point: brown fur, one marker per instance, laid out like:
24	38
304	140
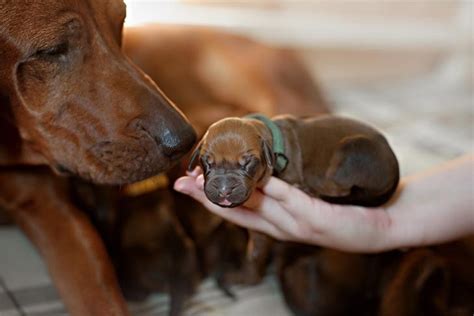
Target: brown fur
423	281
337	159
71	100
155	252
211	75
73	251
75	102
263	79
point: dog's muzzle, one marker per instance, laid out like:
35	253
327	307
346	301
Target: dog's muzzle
229	190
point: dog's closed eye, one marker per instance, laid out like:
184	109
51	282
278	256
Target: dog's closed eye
249	164
245	160
54	52
57	51
207	162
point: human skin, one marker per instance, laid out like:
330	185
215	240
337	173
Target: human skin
430	207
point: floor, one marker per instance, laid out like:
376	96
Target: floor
427	120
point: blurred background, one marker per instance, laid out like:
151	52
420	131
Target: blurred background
404	66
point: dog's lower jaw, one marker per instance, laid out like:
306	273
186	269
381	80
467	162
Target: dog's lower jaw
122	163
226	203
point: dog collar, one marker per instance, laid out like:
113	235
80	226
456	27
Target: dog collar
160	181
281	161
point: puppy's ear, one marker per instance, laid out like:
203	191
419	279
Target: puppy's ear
268	154
195	157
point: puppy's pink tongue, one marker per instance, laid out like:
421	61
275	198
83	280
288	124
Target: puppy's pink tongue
225	202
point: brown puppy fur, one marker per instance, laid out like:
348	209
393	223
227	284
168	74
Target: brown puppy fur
151	250
222	247
338	159
437	280
156	254
424	281
420	286
319	281
70	98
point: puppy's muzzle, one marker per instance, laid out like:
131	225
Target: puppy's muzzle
226	190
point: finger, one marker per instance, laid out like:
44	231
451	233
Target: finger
295	201
195	172
200	182
278	189
240	215
273	212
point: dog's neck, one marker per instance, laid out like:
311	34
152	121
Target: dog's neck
293	173
274	137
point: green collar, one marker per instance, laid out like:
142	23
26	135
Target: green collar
281	161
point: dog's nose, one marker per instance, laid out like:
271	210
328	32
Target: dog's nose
175	142
225	191
170	130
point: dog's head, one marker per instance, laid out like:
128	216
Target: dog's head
78	103
235	155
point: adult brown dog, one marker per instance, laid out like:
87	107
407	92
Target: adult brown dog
70	99
75	101
338	159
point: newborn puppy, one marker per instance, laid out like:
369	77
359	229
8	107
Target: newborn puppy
337	159
420	286
223	249
325	282
156	254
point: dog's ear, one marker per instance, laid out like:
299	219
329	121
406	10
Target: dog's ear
195	157
268	154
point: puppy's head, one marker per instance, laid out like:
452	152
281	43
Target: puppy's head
78	103
235	155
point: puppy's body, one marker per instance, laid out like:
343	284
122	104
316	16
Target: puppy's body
338	159
423	281
150	248
155	253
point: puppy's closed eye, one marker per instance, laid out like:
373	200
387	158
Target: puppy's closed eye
249	164
207	162
245	160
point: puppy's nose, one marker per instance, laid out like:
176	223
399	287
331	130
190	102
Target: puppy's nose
225	191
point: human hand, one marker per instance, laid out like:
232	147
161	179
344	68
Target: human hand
287	213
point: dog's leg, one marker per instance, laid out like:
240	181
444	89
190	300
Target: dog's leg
73	251
355	163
